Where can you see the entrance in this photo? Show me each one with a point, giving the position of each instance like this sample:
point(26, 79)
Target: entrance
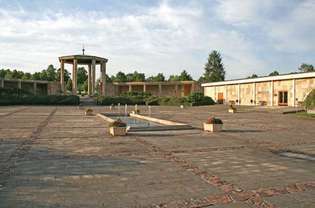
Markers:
point(283, 98)
point(220, 98)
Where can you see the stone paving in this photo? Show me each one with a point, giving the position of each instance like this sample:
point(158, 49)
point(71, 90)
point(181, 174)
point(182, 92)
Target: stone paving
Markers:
point(57, 157)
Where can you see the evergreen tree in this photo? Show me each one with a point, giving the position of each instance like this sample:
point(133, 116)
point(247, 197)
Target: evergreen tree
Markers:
point(274, 73)
point(306, 68)
point(214, 70)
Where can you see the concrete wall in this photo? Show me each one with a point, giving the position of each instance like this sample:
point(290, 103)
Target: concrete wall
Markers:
point(168, 89)
point(32, 86)
point(266, 92)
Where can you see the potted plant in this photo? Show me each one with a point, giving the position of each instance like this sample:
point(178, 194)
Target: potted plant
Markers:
point(232, 108)
point(89, 112)
point(118, 128)
point(213, 124)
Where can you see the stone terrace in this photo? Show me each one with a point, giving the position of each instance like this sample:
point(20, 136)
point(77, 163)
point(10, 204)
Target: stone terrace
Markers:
point(57, 157)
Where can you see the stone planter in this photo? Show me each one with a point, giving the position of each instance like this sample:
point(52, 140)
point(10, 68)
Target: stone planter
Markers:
point(89, 113)
point(118, 131)
point(212, 127)
point(232, 110)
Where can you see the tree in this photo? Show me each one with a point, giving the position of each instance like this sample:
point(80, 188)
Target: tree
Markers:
point(174, 78)
point(252, 76)
point(158, 78)
point(184, 76)
point(69, 85)
point(138, 77)
point(81, 75)
point(214, 70)
point(306, 68)
point(120, 77)
point(274, 73)
point(27, 76)
point(66, 75)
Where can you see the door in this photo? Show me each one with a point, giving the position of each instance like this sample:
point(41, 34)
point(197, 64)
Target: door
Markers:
point(283, 98)
point(220, 98)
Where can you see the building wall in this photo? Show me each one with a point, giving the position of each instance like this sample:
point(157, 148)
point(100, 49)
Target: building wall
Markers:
point(168, 89)
point(264, 93)
point(303, 87)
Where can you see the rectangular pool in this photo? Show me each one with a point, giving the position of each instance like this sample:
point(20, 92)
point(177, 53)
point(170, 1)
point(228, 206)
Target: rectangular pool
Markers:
point(133, 122)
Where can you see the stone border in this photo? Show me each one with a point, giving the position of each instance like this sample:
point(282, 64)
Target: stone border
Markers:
point(166, 125)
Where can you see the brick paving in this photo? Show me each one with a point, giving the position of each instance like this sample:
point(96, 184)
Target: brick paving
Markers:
point(57, 157)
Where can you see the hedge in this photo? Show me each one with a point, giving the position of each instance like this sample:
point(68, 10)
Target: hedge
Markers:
point(194, 99)
point(40, 100)
point(309, 102)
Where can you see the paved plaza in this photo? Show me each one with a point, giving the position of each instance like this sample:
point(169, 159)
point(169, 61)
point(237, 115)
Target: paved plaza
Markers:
point(57, 157)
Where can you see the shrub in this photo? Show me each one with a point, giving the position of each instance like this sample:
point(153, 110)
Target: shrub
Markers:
point(152, 101)
point(121, 100)
point(118, 123)
point(213, 120)
point(309, 102)
point(40, 100)
point(197, 98)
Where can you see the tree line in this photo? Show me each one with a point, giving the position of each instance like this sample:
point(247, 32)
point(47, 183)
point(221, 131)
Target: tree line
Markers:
point(213, 72)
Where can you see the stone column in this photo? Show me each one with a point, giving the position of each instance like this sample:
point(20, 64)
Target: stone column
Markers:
point(293, 92)
point(93, 75)
point(226, 94)
point(103, 77)
point(176, 90)
point(238, 94)
point(130, 88)
point(62, 76)
point(160, 89)
point(19, 84)
point(2, 83)
point(271, 93)
point(254, 93)
point(89, 80)
point(144, 87)
point(35, 88)
point(74, 77)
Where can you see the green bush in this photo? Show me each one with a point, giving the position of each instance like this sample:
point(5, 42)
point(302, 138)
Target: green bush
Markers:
point(6, 92)
point(132, 98)
point(40, 100)
point(197, 99)
point(309, 102)
point(120, 99)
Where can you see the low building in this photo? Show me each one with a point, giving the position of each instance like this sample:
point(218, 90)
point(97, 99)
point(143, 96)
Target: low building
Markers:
point(35, 87)
point(281, 90)
point(167, 88)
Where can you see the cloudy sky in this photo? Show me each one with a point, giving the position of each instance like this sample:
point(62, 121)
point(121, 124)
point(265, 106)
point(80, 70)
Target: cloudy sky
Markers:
point(165, 36)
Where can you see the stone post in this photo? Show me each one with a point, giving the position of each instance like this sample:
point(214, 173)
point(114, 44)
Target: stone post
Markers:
point(254, 93)
point(130, 88)
point(93, 75)
point(294, 93)
point(74, 77)
point(239, 94)
point(271, 93)
point(89, 80)
point(176, 90)
point(226, 94)
point(160, 89)
point(20, 84)
point(2, 83)
point(35, 88)
point(103, 77)
point(62, 76)
point(144, 87)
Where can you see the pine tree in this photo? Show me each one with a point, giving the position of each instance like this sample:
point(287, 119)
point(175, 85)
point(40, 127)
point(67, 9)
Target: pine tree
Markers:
point(214, 70)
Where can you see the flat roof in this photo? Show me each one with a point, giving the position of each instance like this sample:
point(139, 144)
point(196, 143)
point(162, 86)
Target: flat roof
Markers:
point(27, 80)
point(154, 83)
point(82, 59)
point(262, 79)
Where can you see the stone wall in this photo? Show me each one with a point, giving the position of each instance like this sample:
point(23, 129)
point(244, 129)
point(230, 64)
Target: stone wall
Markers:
point(261, 92)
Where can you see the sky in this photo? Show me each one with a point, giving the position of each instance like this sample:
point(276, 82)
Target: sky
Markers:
point(165, 36)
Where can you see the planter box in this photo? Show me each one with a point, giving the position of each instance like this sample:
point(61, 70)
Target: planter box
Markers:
point(212, 127)
point(89, 113)
point(232, 110)
point(118, 131)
